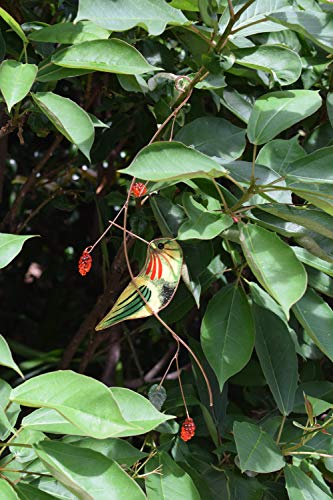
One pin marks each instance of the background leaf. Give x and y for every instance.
(316, 316)
(272, 262)
(227, 333)
(256, 449)
(277, 356)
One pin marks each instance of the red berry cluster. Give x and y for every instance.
(138, 189)
(85, 263)
(188, 429)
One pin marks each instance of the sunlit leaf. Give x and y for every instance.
(16, 80)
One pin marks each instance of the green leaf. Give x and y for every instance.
(14, 25)
(214, 137)
(320, 281)
(87, 473)
(117, 449)
(27, 492)
(87, 405)
(274, 112)
(315, 167)
(227, 333)
(256, 449)
(283, 64)
(316, 220)
(317, 193)
(309, 259)
(163, 161)
(152, 15)
(7, 492)
(301, 487)
(48, 72)
(112, 56)
(69, 118)
(316, 317)
(173, 483)
(274, 265)
(26, 436)
(82, 31)
(137, 410)
(203, 224)
(316, 26)
(239, 104)
(6, 358)
(10, 247)
(317, 389)
(251, 20)
(278, 153)
(8, 412)
(16, 80)
(277, 356)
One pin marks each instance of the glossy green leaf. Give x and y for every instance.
(87, 405)
(163, 161)
(316, 26)
(49, 72)
(214, 137)
(112, 56)
(308, 258)
(172, 484)
(16, 80)
(274, 265)
(69, 118)
(13, 24)
(274, 112)
(278, 153)
(227, 333)
(202, 224)
(313, 219)
(7, 491)
(300, 486)
(152, 15)
(277, 356)
(10, 247)
(283, 64)
(320, 281)
(318, 193)
(315, 167)
(87, 473)
(316, 317)
(137, 410)
(82, 31)
(117, 449)
(256, 449)
(27, 492)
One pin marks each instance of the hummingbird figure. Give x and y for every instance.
(157, 282)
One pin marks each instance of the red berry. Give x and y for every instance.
(139, 189)
(85, 263)
(188, 429)
(235, 219)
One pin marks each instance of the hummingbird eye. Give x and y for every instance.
(160, 246)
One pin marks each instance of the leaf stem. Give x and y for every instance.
(283, 421)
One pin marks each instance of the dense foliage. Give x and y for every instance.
(224, 110)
